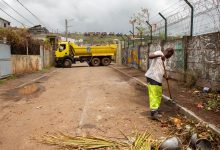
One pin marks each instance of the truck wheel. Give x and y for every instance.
(96, 62)
(106, 61)
(67, 63)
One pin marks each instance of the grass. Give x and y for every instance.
(11, 77)
(46, 69)
(2, 82)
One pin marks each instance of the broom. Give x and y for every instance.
(168, 86)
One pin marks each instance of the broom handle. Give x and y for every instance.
(165, 73)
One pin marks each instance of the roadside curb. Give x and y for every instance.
(35, 79)
(182, 109)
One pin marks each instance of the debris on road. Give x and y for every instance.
(182, 136)
(185, 128)
(142, 141)
(39, 107)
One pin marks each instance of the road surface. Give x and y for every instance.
(80, 100)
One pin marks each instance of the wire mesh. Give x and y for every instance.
(206, 18)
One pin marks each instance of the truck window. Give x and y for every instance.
(62, 47)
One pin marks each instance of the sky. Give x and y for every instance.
(82, 15)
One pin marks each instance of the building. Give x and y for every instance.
(4, 23)
(38, 30)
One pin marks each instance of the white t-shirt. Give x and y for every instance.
(156, 70)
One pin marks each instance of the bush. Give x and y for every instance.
(19, 39)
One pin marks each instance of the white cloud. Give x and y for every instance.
(89, 15)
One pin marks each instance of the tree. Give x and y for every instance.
(139, 19)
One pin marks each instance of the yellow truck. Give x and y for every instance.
(68, 53)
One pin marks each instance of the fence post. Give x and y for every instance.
(133, 32)
(140, 33)
(118, 59)
(185, 44)
(128, 40)
(151, 36)
(123, 40)
(165, 25)
(192, 15)
(133, 37)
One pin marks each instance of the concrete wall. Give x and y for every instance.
(198, 56)
(31, 63)
(133, 59)
(26, 63)
(143, 58)
(175, 65)
(47, 56)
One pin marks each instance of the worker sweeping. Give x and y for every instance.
(154, 77)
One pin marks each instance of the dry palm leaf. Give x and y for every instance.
(142, 141)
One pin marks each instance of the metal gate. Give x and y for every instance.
(5, 60)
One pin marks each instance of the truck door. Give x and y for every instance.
(63, 50)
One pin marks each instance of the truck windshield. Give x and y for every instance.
(62, 47)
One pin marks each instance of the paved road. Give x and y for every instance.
(80, 100)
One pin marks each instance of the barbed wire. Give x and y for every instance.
(204, 11)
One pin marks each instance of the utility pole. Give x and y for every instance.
(66, 27)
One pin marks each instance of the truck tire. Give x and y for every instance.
(67, 63)
(106, 61)
(95, 62)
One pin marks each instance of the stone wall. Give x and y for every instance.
(203, 59)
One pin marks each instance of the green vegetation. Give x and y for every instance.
(17, 36)
(11, 77)
(1, 82)
(95, 39)
(46, 69)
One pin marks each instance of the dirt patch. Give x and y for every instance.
(27, 91)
